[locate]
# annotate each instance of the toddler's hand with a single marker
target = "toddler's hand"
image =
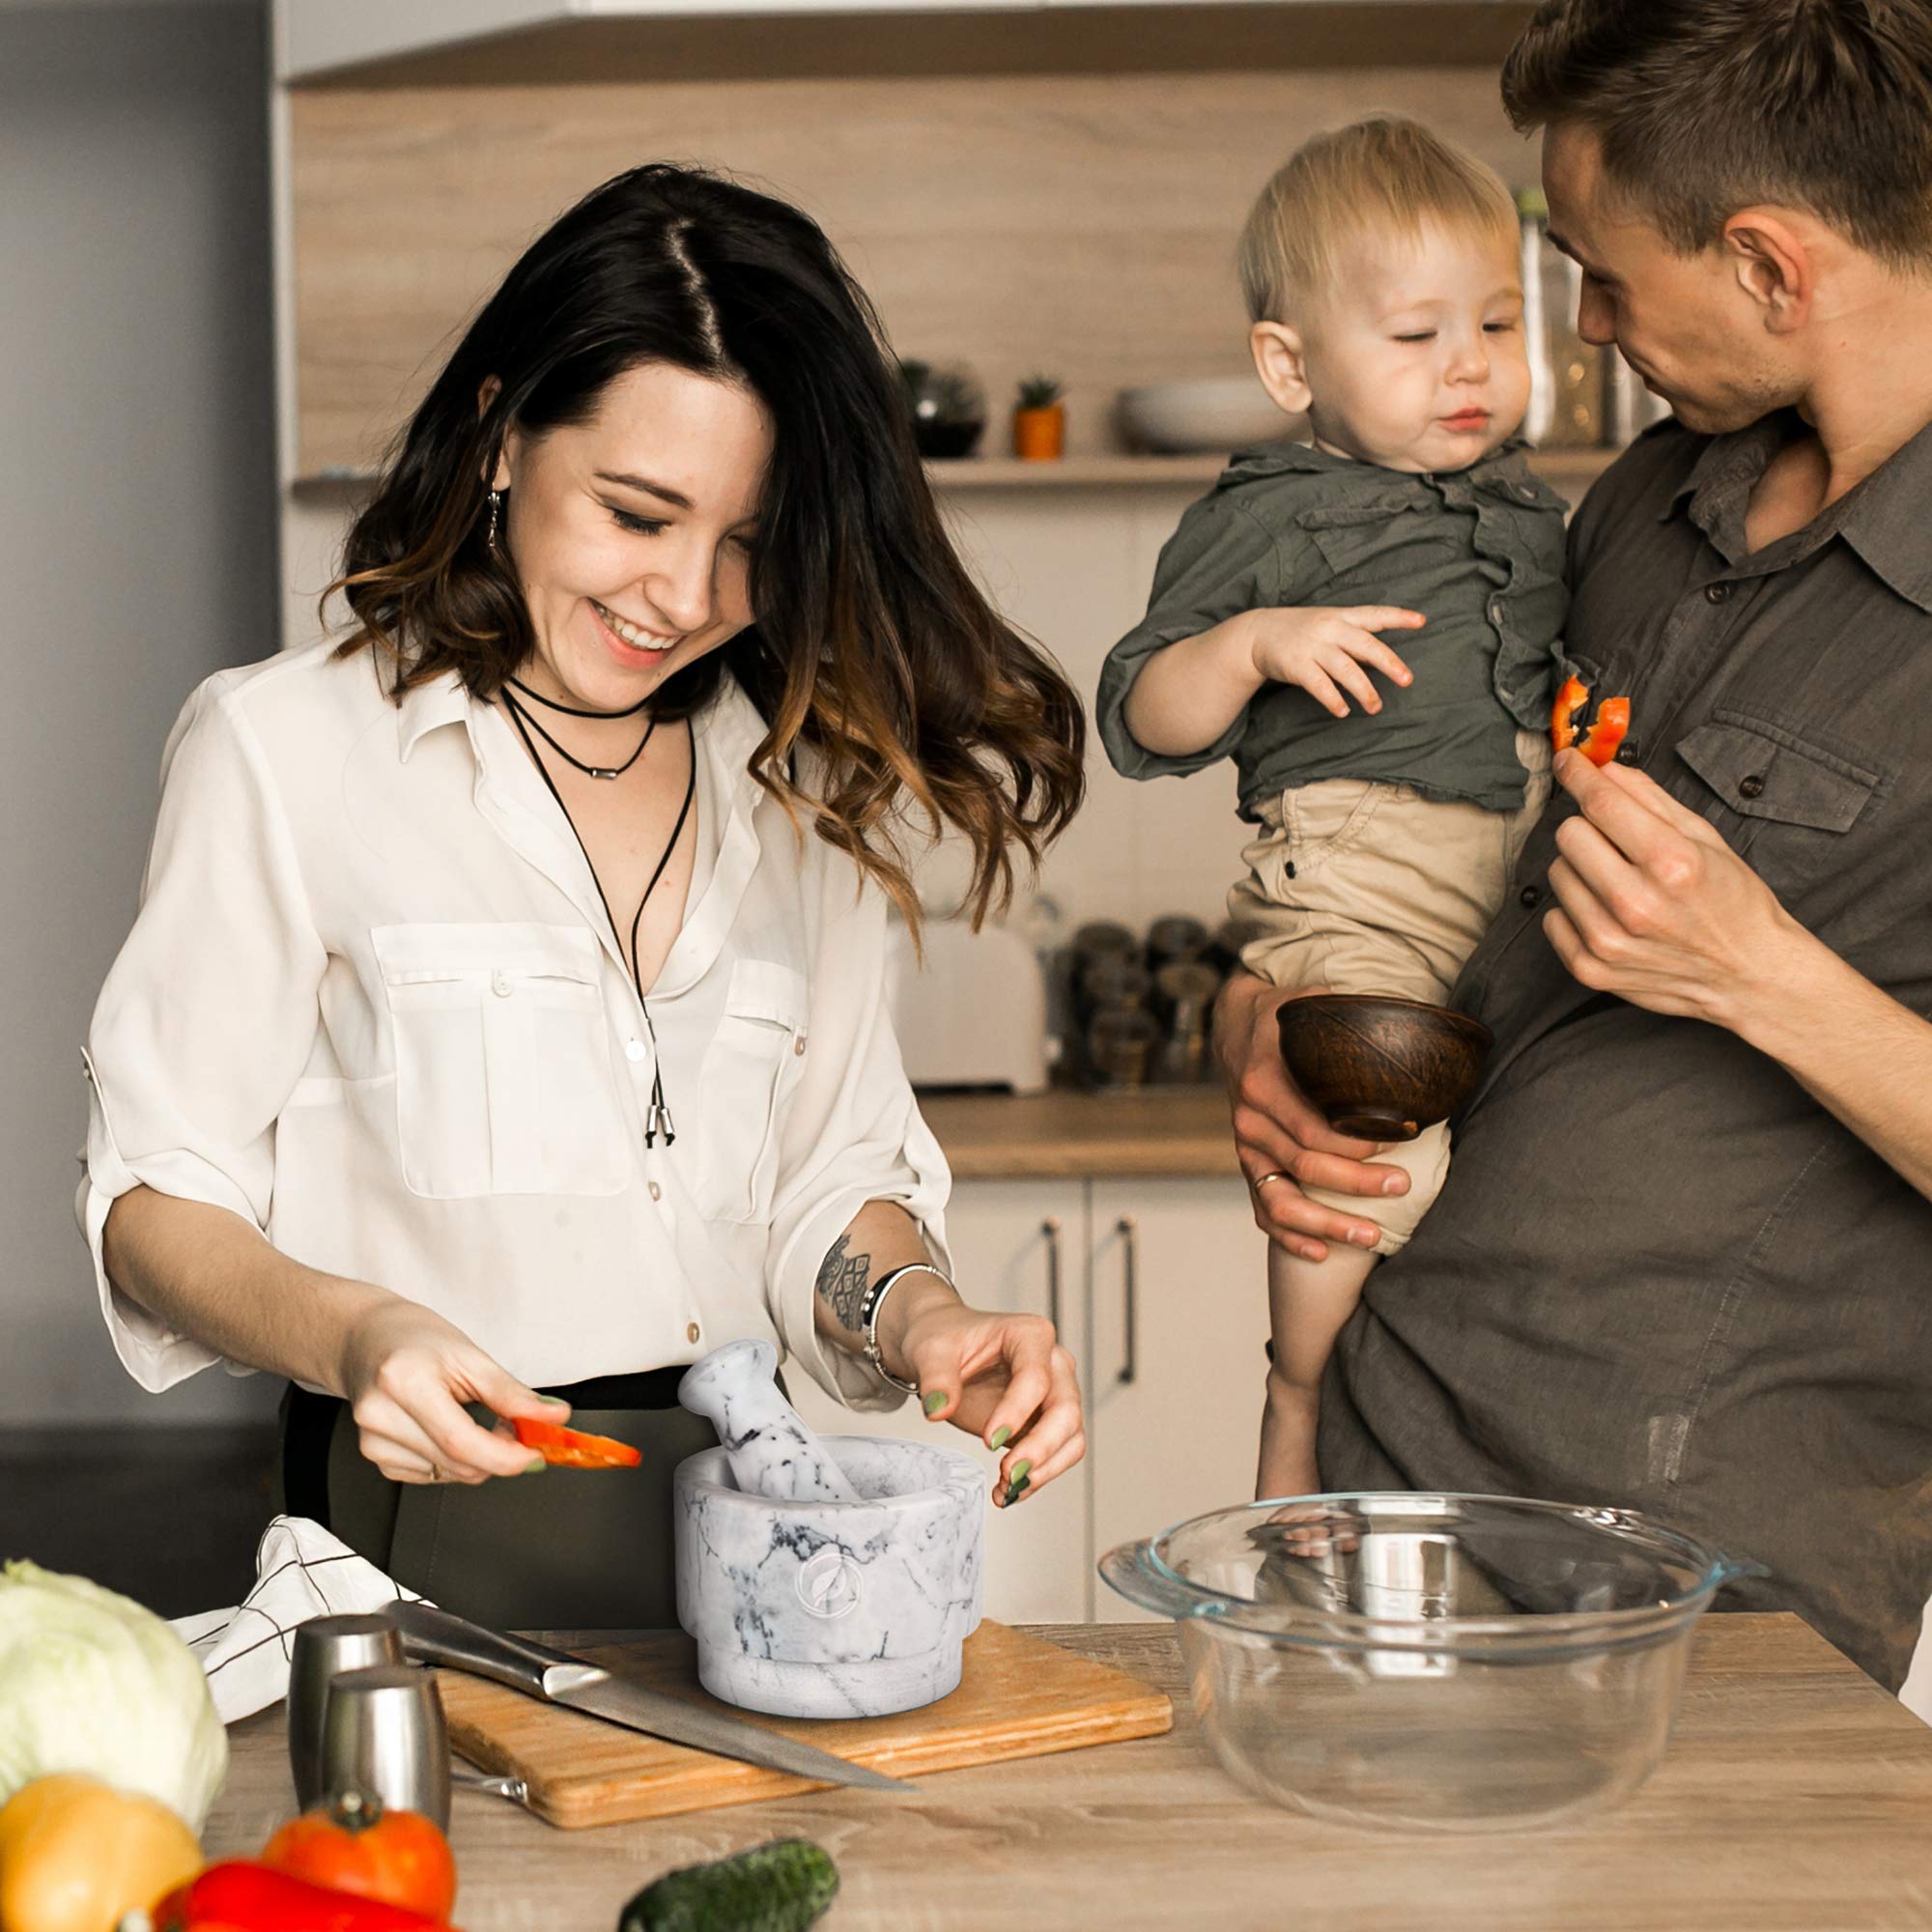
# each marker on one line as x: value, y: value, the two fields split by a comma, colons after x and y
x: 1324, y: 651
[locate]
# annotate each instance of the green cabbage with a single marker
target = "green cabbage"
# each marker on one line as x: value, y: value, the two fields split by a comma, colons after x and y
x: 92, y: 1682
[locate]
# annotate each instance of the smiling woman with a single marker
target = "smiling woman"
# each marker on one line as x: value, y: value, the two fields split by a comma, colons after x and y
x: 496, y: 1037
x: 871, y: 644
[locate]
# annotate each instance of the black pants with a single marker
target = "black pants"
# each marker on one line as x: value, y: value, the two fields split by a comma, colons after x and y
x: 568, y: 1548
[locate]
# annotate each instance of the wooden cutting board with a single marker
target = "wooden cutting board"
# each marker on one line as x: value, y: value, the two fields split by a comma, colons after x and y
x: 1020, y: 1696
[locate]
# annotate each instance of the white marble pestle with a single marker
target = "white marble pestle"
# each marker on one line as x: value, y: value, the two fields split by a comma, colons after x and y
x: 772, y: 1451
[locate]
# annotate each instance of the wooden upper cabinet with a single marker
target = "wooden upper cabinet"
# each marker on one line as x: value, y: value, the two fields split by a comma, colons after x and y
x: 467, y: 41
x: 1056, y: 189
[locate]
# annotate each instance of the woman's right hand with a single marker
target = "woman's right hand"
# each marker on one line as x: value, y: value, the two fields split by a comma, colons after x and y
x: 1281, y: 1137
x: 406, y: 1374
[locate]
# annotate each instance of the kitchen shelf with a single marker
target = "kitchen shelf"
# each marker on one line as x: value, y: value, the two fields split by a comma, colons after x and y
x: 971, y: 472
x: 1571, y: 471
x: 1071, y: 472
x: 1561, y: 468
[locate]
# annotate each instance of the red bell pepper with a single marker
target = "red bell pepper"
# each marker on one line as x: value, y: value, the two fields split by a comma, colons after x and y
x: 239, y: 1895
x: 1572, y: 729
x: 574, y: 1448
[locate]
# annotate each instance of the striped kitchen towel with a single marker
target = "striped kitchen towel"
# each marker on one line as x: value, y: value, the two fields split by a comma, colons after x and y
x: 301, y: 1571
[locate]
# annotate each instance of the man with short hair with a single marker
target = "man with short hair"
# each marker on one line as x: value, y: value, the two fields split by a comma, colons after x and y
x: 1684, y: 1259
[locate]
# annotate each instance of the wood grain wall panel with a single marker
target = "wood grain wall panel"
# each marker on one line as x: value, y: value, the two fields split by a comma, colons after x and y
x: 1079, y: 224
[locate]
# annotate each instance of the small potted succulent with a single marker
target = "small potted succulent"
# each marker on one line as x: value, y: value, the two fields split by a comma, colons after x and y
x: 1040, y: 419
x: 949, y: 408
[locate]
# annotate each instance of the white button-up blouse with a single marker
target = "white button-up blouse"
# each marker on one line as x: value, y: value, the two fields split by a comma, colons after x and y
x: 371, y: 1004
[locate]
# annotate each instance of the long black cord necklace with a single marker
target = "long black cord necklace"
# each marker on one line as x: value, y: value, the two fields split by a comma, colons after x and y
x: 657, y: 1118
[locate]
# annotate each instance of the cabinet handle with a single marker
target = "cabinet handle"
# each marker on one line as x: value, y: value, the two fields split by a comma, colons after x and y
x: 1050, y: 1231
x: 1130, y: 1231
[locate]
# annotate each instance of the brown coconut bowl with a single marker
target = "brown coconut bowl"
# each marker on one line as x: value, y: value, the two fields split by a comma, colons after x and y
x: 1381, y: 1068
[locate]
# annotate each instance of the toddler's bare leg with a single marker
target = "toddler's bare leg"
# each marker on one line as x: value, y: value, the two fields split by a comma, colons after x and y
x: 1308, y: 1303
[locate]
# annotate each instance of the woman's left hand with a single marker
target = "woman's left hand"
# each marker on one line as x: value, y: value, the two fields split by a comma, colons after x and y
x: 1002, y: 1378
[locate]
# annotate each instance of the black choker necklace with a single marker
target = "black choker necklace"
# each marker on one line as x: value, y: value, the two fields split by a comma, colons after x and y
x: 522, y: 718
x: 571, y: 710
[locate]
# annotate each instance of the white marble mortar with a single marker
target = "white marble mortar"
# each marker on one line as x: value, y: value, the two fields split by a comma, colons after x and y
x: 812, y: 1608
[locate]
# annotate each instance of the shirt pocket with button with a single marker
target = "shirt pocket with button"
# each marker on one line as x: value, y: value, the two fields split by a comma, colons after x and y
x: 1782, y: 802
x: 743, y: 1084
x: 504, y: 1077
x: 1371, y: 548
x: 1524, y: 518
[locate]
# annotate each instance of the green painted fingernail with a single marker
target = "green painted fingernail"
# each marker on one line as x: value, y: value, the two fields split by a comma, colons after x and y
x: 532, y: 1468
x: 935, y: 1402
x: 1018, y: 1473
x: 1002, y: 1435
x: 556, y: 1400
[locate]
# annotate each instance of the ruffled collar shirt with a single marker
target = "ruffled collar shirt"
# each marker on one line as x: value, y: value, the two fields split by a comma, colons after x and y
x: 372, y: 1005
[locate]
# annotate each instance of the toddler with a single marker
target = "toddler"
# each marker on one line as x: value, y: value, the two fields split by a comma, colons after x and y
x: 1392, y: 792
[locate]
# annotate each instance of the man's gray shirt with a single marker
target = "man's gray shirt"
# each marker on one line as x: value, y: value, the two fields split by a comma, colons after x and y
x: 1662, y: 1275
x: 1479, y: 552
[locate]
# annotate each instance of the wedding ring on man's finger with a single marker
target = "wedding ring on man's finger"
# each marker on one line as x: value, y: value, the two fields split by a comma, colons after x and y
x: 435, y: 1473
x: 1274, y: 1174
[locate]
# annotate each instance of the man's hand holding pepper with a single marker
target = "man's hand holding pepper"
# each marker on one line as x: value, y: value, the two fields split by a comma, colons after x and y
x: 1279, y: 1133
x: 1653, y: 906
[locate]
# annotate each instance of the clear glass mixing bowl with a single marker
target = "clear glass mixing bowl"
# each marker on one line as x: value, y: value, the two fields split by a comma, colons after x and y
x: 1447, y: 1662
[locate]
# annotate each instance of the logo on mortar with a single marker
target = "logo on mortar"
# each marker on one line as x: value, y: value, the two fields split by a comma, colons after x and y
x: 827, y: 1586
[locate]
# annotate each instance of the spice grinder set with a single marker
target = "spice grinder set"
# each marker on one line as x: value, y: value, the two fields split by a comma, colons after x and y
x: 364, y: 1718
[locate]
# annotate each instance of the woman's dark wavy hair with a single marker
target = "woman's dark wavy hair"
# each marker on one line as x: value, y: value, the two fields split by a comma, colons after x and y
x: 871, y: 646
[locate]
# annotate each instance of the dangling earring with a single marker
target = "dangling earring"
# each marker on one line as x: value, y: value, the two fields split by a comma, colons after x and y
x: 495, y: 508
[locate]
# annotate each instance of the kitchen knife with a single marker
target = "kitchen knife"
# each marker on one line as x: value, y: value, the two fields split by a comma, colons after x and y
x: 432, y: 1636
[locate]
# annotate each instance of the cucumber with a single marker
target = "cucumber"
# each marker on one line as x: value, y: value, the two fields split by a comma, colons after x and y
x: 782, y: 1887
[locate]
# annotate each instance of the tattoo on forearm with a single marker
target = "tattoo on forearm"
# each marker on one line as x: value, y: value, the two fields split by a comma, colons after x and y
x: 841, y: 1283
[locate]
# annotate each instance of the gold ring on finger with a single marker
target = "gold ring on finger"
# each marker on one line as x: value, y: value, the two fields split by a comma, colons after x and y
x: 435, y: 1473
x: 1273, y: 1174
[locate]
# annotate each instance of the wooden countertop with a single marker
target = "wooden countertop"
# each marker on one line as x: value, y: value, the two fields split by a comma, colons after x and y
x: 1168, y: 1130
x: 1793, y: 1799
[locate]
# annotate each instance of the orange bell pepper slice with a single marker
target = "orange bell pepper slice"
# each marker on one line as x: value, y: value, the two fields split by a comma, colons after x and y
x: 575, y: 1448
x: 1598, y: 737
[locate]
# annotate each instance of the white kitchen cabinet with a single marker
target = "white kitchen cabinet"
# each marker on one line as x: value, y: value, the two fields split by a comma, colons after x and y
x: 1173, y: 1396
x: 1179, y: 1323
x: 1017, y: 1245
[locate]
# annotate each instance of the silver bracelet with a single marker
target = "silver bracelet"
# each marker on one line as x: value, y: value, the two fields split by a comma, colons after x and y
x: 868, y: 1317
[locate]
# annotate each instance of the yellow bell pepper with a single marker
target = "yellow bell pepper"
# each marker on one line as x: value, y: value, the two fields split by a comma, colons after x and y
x: 77, y: 1855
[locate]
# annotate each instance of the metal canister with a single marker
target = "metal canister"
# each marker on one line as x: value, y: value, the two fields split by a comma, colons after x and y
x: 324, y: 1648
x: 383, y: 1733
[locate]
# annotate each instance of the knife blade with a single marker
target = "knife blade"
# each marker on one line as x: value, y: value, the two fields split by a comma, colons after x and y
x: 433, y: 1636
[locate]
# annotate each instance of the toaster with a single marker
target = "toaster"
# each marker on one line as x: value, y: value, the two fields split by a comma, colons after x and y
x: 974, y: 1012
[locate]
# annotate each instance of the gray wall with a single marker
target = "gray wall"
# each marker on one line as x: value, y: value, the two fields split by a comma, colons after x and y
x: 137, y: 553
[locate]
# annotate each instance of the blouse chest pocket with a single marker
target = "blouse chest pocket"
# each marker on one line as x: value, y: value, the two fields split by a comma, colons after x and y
x: 505, y: 1082
x: 747, y: 1074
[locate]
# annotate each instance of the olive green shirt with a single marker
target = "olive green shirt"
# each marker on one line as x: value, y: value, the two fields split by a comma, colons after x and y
x: 1479, y: 552
x: 1715, y: 1302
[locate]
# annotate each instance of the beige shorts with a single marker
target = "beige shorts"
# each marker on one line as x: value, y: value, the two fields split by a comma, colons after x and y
x: 1364, y: 886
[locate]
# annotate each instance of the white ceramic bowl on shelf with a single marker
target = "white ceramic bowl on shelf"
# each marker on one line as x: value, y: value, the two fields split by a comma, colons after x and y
x: 1221, y: 413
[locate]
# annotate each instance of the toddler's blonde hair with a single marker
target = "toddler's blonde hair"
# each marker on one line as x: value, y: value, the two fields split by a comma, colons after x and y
x: 1386, y: 177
